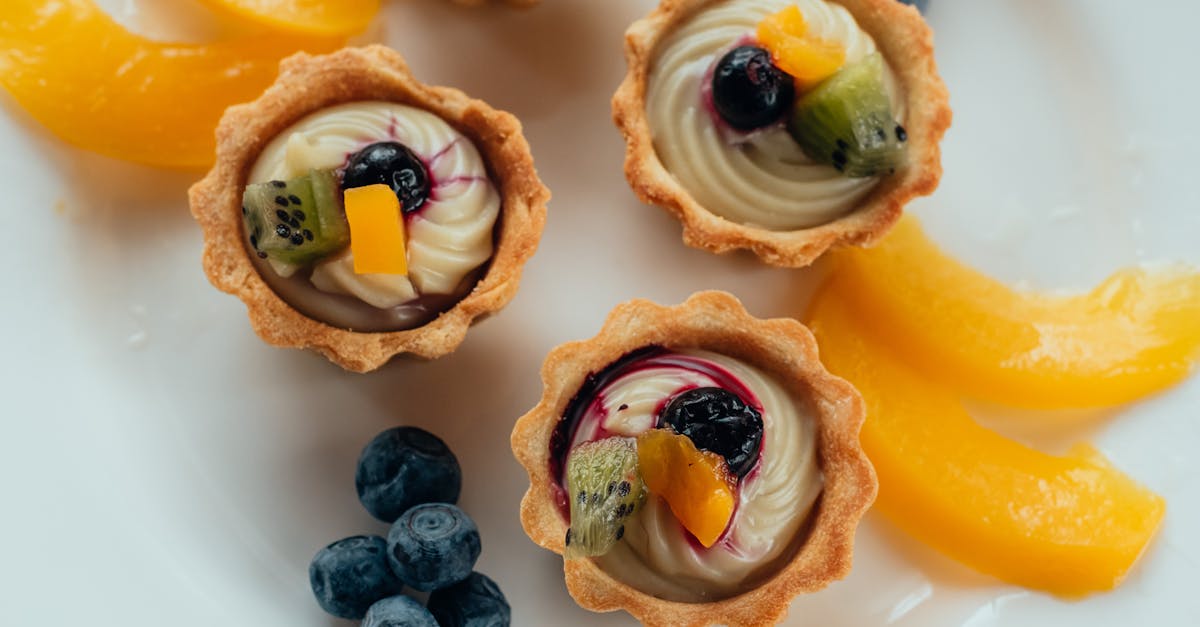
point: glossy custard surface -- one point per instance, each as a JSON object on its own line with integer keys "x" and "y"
{"x": 450, "y": 237}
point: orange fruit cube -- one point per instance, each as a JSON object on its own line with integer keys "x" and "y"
{"x": 376, "y": 230}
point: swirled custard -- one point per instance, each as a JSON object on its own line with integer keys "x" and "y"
{"x": 762, "y": 178}
{"x": 657, "y": 554}
{"x": 449, "y": 236}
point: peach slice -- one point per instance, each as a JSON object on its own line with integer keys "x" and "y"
{"x": 102, "y": 88}
{"x": 807, "y": 59}
{"x": 695, "y": 484}
{"x": 1068, "y": 525}
{"x": 1136, "y": 333}
{"x": 314, "y": 17}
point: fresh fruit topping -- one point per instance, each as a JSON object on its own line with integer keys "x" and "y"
{"x": 404, "y": 467}
{"x": 399, "y": 611}
{"x": 807, "y": 59}
{"x": 394, "y": 165}
{"x": 605, "y": 489}
{"x": 130, "y": 97}
{"x": 847, "y": 122}
{"x": 432, "y": 546}
{"x": 1135, "y": 334}
{"x": 720, "y": 421}
{"x": 748, "y": 91}
{"x": 317, "y": 17}
{"x": 473, "y": 602}
{"x": 1069, "y": 525}
{"x": 295, "y": 222}
{"x": 695, "y": 484}
{"x": 351, "y": 574}
{"x": 376, "y": 230}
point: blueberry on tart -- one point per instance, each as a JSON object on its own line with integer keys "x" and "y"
{"x": 361, "y": 213}
{"x": 785, "y": 127}
{"x": 694, "y": 465}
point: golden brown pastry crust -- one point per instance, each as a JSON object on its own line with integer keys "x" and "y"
{"x": 714, "y": 321}
{"x": 520, "y": 4}
{"x": 904, "y": 39}
{"x": 310, "y": 83}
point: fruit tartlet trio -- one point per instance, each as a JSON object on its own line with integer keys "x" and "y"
{"x": 408, "y": 478}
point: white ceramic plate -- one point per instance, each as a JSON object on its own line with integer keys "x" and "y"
{"x": 160, "y": 465}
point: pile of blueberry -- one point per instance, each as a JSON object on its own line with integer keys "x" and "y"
{"x": 408, "y": 477}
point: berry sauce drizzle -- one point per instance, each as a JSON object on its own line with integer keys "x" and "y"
{"x": 589, "y": 403}
{"x": 427, "y": 162}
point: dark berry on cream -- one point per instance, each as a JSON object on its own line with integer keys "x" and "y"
{"x": 720, "y": 421}
{"x": 748, "y": 91}
{"x": 392, "y": 164}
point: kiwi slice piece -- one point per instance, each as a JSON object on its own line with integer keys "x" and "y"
{"x": 605, "y": 488}
{"x": 296, "y": 222}
{"x": 846, "y": 121}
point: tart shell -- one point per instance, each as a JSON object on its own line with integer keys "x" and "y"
{"x": 784, "y": 348}
{"x": 904, "y": 39}
{"x": 307, "y": 84}
{"x": 519, "y": 4}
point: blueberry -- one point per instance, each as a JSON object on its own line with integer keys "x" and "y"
{"x": 473, "y": 602}
{"x": 399, "y": 611}
{"x": 351, "y": 574}
{"x": 720, "y": 421}
{"x": 432, "y": 546}
{"x": 920, "y": 4}
{"x": 392, "y": 164}
{"x": 748, "y": 90}
{"x": 403, "y": 467}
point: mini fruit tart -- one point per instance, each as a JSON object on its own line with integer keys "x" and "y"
{"x": 361, "y": 213}
{"x": 782, "y": 126}
{"x": 694, "y": 465}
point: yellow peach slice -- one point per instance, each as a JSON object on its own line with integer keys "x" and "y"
{"x": 695, "y": 484}
{"x": 100, "y": 87}
{"x": 1136, "y": 333}
{"x": 1068, "y": 525}
{"x": 315, "y": 17}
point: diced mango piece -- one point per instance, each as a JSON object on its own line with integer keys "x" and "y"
{"x": 695, "y": 484}
{"x": 376, "y": 230}
{"x": 808, "y": 59}
{"x": 1135, "y": 334}
{"x": 102, "y": 88}
{"x": 1068, "y": 525}
{"x": 317, "y": 17}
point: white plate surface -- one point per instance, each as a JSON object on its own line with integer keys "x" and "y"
{"x": 160, "y": 465}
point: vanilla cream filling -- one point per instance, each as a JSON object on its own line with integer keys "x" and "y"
{"x": 657, "y": 556}
{"x": 762, "y": 179}
{"x": 448, "y": 238}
